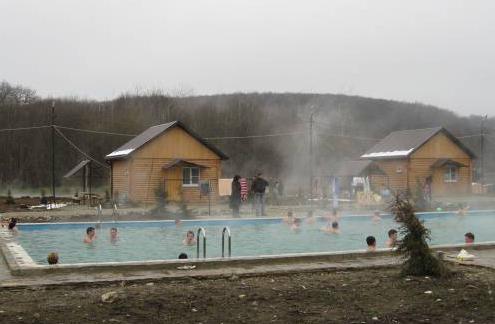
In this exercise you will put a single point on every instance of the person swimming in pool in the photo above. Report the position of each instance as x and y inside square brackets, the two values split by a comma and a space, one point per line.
[331, 228]
[469, 238]
[113, 234]
[376, 217]
[392, 238]
[90, 235]
[4, 222]
[289, 219]
[296, 225]
[13, 225]
[333, 216]
[371, 243]
[310, 219]
[463, 210]
[190, 238]
[52, 258]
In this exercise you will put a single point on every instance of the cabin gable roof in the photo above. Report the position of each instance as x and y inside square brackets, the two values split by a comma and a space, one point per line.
[153, 132]
[401, 144]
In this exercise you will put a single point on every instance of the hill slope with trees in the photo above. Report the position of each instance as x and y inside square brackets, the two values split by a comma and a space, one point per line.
[343, 128]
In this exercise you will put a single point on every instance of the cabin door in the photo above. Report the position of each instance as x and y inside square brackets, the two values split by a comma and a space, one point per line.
[173, 183]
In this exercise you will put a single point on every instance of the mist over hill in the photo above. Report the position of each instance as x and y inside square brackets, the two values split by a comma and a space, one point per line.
[343, 128]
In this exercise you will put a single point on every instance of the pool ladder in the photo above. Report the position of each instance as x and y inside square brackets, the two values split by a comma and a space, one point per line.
[98, 215]
[226, 229]
[115, 213]
[202, 232]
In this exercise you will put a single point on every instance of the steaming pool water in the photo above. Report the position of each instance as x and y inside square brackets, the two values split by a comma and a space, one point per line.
[159, 240]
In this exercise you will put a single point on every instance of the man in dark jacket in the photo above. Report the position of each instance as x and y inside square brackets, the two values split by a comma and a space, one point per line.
[258, 188]
[235, 197]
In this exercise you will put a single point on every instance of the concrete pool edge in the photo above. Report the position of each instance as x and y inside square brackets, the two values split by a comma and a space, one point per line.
[31, 269]
[248, 219]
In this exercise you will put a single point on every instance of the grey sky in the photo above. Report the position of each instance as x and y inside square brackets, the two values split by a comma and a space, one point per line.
[433, 51]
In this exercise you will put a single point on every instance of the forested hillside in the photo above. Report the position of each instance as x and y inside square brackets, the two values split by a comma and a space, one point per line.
[344, 126]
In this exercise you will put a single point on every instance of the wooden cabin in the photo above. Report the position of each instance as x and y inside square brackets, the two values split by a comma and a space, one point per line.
[431, 158]
[168, 160]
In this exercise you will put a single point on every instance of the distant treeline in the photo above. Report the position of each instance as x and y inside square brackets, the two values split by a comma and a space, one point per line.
[344, 127]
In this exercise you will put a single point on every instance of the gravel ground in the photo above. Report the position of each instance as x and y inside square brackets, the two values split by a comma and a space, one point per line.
[360, 296]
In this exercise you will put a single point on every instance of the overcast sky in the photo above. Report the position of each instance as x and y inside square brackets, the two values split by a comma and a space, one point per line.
[440, 52]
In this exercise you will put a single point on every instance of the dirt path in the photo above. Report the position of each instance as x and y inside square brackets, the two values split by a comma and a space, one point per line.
[361, 296]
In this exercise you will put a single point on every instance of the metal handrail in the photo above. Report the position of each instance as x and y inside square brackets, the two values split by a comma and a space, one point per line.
[98, 216]
[201, 230]
[115, 213]
[226, 229]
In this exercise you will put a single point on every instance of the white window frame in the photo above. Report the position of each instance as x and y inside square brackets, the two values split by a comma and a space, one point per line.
[190, 183]
[451, 174]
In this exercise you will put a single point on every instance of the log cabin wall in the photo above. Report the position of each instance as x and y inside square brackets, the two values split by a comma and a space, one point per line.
[440, 147]
[146, 172]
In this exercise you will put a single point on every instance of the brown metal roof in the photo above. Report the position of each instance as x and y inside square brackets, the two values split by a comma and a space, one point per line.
[181, 162]
[442, 162]
[401, 144]
[151, 133]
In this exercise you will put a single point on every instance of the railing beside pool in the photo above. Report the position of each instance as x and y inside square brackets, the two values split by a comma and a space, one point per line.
[226, 229]
[202, 231]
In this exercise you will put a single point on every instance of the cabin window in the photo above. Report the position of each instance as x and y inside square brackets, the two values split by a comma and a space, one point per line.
[190, 176]
[451, 174]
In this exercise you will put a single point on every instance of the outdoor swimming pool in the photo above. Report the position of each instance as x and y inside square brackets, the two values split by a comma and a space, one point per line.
[160, 240]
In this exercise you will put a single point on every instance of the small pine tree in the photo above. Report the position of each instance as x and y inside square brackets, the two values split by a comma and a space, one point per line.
[419, 260]
[10, 200]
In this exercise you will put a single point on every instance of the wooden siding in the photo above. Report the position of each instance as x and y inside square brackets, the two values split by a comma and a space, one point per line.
[440, 147]
[146, 174]
[418, 167]
[175, 144]
[120, 179]
[396, 175]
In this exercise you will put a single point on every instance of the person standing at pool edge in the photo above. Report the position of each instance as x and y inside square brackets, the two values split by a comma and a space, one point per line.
[90, 235]
[258, 188]
[235, 196]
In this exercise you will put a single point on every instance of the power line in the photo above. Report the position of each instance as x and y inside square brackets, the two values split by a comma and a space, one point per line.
[78, 149]
[254, 136]
[23, 128]
[94, 132]
[468, 136]
[213, 138]
[348, 136]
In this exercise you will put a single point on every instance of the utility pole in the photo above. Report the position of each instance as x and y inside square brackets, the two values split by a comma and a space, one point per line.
[53, 150]
[482, 150]
[311, 159]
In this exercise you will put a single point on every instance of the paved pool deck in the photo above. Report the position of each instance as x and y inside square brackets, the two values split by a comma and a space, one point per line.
[8, 280]
[484, 258]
